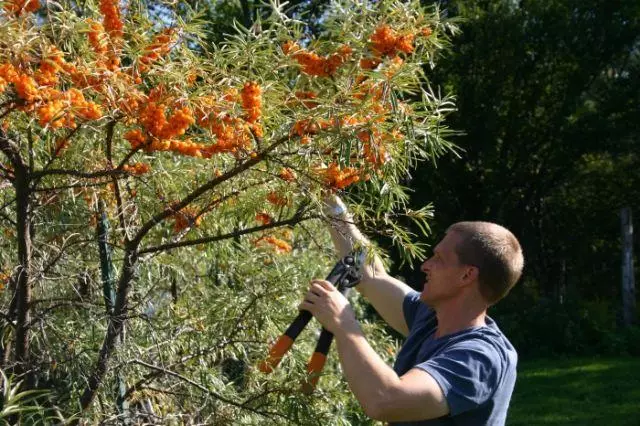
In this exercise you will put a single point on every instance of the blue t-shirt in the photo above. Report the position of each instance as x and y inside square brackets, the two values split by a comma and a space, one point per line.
[475, 367]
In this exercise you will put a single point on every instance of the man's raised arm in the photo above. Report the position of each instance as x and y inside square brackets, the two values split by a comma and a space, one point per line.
[384, 292]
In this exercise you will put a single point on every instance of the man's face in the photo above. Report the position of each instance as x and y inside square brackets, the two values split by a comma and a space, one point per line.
[444, 271]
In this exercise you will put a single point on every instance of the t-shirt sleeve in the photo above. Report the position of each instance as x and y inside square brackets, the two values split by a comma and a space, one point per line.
[410, 307]
[468, 374]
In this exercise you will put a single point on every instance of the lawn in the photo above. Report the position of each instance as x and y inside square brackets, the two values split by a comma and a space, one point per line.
[601, 391]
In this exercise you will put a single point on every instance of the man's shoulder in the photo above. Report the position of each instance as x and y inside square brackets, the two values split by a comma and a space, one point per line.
[417, 314]
[489, 341]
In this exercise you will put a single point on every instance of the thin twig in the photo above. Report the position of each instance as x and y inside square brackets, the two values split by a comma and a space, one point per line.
[206, 390]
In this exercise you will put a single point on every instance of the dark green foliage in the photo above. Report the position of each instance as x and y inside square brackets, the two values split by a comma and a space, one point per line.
[548, 107]
[541, 327]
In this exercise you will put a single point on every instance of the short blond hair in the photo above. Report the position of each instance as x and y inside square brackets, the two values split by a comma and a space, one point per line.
[495, 251]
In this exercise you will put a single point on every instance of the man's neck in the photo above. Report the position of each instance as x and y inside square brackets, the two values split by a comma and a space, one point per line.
[455, 315]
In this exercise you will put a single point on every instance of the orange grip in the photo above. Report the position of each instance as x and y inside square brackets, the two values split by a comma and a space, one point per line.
[277, 351]
[314, 368]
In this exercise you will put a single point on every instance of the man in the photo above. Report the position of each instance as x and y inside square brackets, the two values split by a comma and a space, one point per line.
[455, 367]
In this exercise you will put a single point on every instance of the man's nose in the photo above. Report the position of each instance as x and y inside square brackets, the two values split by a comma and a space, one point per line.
[425, 265]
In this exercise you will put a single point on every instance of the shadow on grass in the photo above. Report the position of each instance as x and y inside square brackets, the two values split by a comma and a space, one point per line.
[577, 392]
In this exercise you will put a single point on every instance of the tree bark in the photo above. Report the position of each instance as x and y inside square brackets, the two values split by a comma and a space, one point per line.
[24, 227]
[23, 281]
[114, 328]
[628, 281]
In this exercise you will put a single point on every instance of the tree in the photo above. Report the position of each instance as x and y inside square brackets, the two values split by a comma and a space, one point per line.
[547, 97]
[541, 87]
[116, 121]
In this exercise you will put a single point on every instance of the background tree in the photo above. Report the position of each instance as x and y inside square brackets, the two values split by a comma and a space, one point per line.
[547, 96]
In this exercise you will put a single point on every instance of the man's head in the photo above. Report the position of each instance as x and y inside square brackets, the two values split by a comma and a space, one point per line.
[473, 253]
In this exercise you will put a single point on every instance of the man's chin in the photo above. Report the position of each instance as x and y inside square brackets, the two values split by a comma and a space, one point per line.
[424, 296]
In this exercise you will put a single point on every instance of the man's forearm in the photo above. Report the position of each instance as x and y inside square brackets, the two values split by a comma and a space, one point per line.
[347, 238]
[385, 293]
[370, 378]
[380, 391]
[345, 235]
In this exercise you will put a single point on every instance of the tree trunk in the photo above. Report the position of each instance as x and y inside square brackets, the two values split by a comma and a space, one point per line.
[23, 273]
[114, 328]
[628, 281]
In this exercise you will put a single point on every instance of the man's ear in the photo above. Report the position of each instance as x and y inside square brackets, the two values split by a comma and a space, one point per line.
[470, 274]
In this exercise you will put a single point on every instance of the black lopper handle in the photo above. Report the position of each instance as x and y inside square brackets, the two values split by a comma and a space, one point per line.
[342, 276]
[319, 358]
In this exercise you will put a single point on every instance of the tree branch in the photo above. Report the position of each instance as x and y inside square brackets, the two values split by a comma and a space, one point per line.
[169, 246]
[203, 189]
[114, 180]
[38, 174]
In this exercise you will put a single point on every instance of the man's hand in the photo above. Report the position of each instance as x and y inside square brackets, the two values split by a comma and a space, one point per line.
[330, 307]
[334, 207]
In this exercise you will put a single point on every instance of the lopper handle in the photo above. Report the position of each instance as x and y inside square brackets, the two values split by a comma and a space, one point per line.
[342, 277]
[317, 361]
[284, 342]
[319, 357]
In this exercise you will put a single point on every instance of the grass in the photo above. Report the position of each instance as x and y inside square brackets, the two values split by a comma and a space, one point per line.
[577, 392]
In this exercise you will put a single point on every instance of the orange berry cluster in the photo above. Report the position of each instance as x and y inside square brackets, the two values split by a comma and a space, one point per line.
[374, 153]
[153, 118]
[81, 107]
[159, 47]
[386, 42]
[50, 65]
[314, 64]
[305, 127]
[232, 133]
[337, 177]
[17, 7]
[186, 218]
[251, 95]
[105, 45]
[25, 86]
[281, 246]
[61, 108]
[52, 106]
[138, 139]
[111, 21]
[307, 99]
[287, 174]
[276, 199]
[136, 168]
[4, 280]
[160, 132]
[263, 218]
[129, 103]
[97, 37]
[52, 113]
[369, 63]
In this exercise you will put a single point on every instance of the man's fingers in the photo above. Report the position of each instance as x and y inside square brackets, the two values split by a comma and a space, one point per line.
[321, 286]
